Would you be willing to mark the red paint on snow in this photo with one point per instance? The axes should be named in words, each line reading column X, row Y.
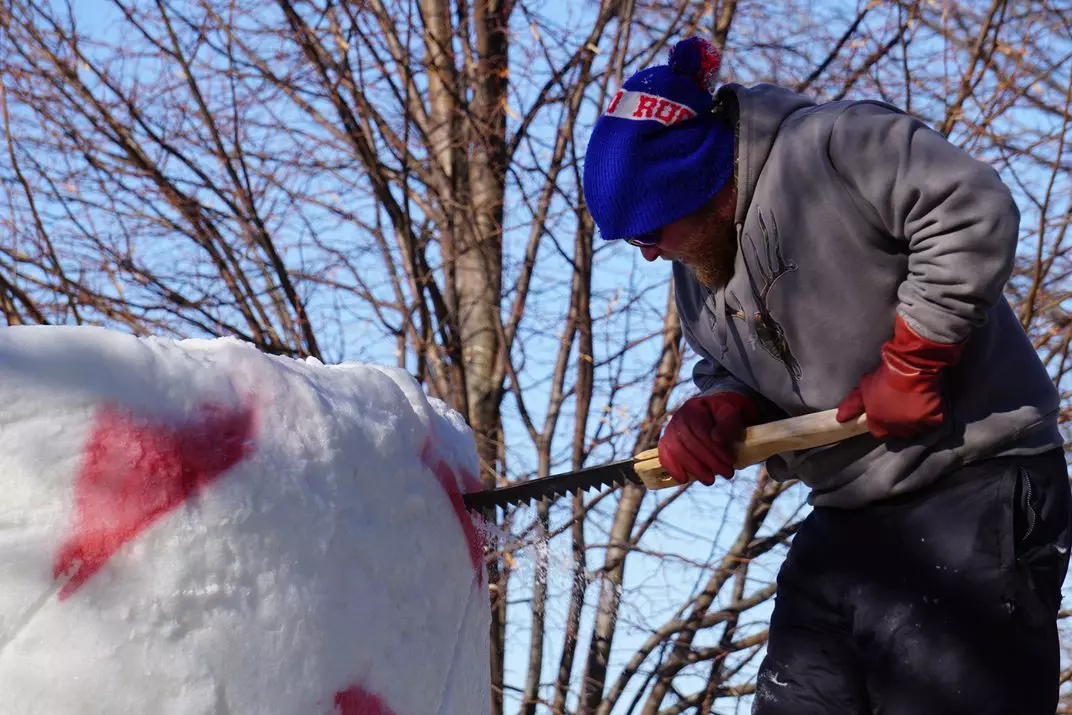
column 448, row 480
column 355, row 700
column 136, row 470
column 470, row 482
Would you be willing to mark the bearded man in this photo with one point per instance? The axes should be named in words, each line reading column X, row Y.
column 844, row 255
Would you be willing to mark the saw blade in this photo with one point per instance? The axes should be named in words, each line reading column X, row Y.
column 611, row 474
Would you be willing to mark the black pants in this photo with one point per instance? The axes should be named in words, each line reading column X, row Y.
column 941, row 602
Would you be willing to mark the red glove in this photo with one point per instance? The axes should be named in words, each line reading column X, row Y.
column 700, row 440
column 902, row 397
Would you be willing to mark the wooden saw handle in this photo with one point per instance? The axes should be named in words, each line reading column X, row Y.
column 763, row 441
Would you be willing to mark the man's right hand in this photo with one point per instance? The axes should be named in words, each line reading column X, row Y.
column 701, row 439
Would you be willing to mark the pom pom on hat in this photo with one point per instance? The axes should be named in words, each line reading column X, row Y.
column 658, row 152
column 697, row 59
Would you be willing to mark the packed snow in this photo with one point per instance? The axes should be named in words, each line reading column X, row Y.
column 194, row 527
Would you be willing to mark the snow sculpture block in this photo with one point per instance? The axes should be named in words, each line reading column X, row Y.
column 196, row 528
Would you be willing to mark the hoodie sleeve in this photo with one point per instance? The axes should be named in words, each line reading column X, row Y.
column 958, row 219
column 712, row 378
column 709, row 376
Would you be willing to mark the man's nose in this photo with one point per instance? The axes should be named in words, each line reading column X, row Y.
column 650, row 253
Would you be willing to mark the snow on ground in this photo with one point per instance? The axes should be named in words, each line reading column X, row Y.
column 194, row 527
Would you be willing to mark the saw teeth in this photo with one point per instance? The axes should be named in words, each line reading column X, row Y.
column 577, row 484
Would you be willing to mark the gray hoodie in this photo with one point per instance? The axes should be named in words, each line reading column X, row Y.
column 846, row 213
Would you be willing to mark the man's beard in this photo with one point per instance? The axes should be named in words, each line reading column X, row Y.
column 712, row 251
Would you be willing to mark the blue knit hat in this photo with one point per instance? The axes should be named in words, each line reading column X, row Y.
column 658, row 152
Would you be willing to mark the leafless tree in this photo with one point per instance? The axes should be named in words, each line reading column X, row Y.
column 398, row 180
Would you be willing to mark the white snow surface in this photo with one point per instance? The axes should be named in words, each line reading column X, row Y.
column 321, row 566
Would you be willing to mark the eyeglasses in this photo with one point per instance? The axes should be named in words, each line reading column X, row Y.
column 644, row 240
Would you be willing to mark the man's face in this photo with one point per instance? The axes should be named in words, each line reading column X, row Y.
column 705, row 240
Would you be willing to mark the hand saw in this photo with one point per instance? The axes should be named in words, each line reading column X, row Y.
column 758, row 444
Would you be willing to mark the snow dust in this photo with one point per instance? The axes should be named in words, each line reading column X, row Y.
column 531, row 555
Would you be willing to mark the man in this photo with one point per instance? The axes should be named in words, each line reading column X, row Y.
column 844, row 255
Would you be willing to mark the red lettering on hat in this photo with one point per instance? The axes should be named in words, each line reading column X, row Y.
column 667, row 111
column 645, row 106
column 614, row 101
column 684, row 113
